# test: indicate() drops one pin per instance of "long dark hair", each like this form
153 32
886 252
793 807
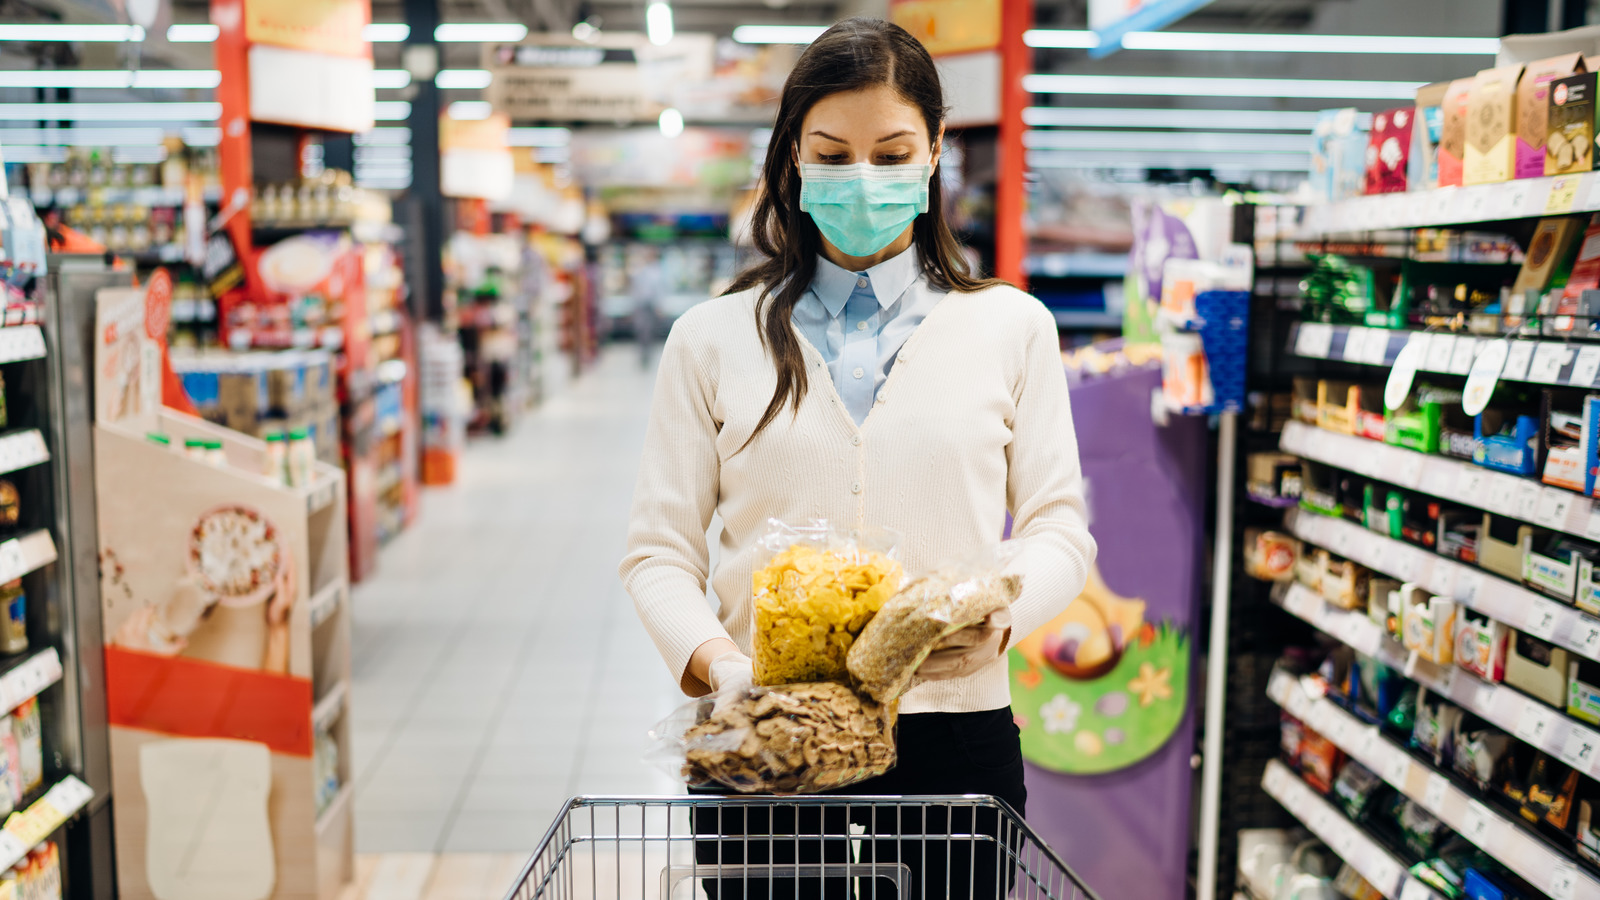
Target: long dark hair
855 54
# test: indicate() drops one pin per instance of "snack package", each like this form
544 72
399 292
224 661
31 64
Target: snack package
1355 789
796 738
1319 760
1482 755
884 659
1551 786
815 593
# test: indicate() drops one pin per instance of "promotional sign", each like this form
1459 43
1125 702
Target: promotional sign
475 157
1102 692
619 77
309 64
949 26
327 26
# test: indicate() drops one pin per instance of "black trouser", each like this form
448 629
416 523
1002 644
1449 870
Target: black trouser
940 753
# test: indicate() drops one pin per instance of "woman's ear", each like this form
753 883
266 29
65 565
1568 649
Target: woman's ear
938 145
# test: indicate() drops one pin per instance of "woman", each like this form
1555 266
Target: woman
861 375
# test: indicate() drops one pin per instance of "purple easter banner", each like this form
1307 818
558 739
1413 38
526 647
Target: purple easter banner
1104 692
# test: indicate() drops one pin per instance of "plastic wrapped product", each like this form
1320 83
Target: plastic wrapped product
798 738
1551 786
884 659
1481 644
1423 831
1320 759
1482 755
815 592
1355 789
1437 721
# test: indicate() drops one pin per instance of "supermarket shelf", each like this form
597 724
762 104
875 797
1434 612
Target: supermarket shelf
1576 744
1448 479
22 555
1552 872
1518 199
29 828
335 809
21 449
1072 318
1354 846
1077 265
322 493
327 601
1517 606
21 342
328 709
145 195
29 677
1552 362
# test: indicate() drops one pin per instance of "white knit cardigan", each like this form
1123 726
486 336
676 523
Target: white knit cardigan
972 421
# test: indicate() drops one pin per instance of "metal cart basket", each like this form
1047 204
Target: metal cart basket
776 848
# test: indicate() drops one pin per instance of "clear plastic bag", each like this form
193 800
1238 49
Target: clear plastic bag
796 738
814 590
884 659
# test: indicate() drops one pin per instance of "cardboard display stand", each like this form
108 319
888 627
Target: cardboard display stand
227 646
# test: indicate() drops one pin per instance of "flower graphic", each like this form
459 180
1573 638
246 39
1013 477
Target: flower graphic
1060 715
1151 684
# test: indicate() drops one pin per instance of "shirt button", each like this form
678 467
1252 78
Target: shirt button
859 372
881 398
856 440
855 488
861 326
862 281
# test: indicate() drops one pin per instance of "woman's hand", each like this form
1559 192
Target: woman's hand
731 675
968 650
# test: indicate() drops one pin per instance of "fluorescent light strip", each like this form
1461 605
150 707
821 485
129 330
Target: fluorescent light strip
658 22
111 78
480 32
199 33
51 31
372 152
1121 117
1176 86
201 137
1204 141
391 110
470 110
110 112
82 137
1060 38
1200 41
390 79
147 155
463 79
383 137
778 34
552 154
386 32
540 137
1271 162
23 153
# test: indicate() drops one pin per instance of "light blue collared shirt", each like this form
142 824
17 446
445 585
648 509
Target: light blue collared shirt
859 322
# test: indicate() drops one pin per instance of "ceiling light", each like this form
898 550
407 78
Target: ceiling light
1389 45
539 137
390 79
391 111
1266 162
778 34
658 22
1166 85
198 33
671 122
471 110
385 32
1203 141
379 137
1058 37
463 79
1121 117
58 32
23 153
110 112
480 32
585 31
201 137
82 137
111 78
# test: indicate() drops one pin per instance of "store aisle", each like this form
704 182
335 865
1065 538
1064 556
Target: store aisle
499 667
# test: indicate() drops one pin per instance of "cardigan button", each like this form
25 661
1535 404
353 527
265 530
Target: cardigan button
856 440
855 488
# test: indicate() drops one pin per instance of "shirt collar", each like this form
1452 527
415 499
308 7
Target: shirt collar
889 279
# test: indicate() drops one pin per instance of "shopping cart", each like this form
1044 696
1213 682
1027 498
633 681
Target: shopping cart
731 848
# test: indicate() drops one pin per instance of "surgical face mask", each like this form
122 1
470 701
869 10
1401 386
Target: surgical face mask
862 208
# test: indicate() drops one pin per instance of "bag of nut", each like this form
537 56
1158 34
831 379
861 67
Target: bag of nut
788 739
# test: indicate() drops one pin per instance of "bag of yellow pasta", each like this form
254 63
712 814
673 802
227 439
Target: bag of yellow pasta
814 590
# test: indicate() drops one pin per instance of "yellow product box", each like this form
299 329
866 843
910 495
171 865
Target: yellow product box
1491 126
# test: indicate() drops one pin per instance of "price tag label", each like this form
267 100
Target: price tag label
1541 621
1461 358
1534 725
1355 344
1416 890
1396 768
1585 368
1477 205
1433 795
1377 347
1527 501
1516 200
1563 195
1503 493
1578 751
1441 347
1586 635
1442 580
1477 824
12 563
1518 357
1548 361
1314 340
1469 585
1410 467
1554 504
1368 743
1469 484
1563 880
1437 206
1592 529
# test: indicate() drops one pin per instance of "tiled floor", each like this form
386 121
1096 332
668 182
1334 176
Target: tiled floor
499 668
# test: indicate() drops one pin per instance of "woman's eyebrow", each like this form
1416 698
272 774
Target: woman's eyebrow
824 134
890 137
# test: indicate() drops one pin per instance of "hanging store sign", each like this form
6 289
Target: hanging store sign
620 77
1111 19
475 158
949 26
324 26
309 65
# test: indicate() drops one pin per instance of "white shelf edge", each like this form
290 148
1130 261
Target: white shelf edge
21 342
1521 608
328 709
24 554
1365 855
1521 198
30 678
1485 826
326 602
335 808
66 797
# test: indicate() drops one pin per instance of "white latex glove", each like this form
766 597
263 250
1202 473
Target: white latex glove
730 676
968 650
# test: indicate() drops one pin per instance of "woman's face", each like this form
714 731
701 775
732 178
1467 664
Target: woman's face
873 125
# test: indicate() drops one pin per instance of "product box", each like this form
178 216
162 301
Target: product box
1338 154
1491 126
1569 145
1533 110
1583 690
1344 584
1537 668
1426 131
1379 590
1572 444
1549 249
1319 488
1419 520
1481 644
1453 137
1557 564
1308 568
1458 534
1338 405
1389 150
1427 623
1303 400
1508 440
1502 541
